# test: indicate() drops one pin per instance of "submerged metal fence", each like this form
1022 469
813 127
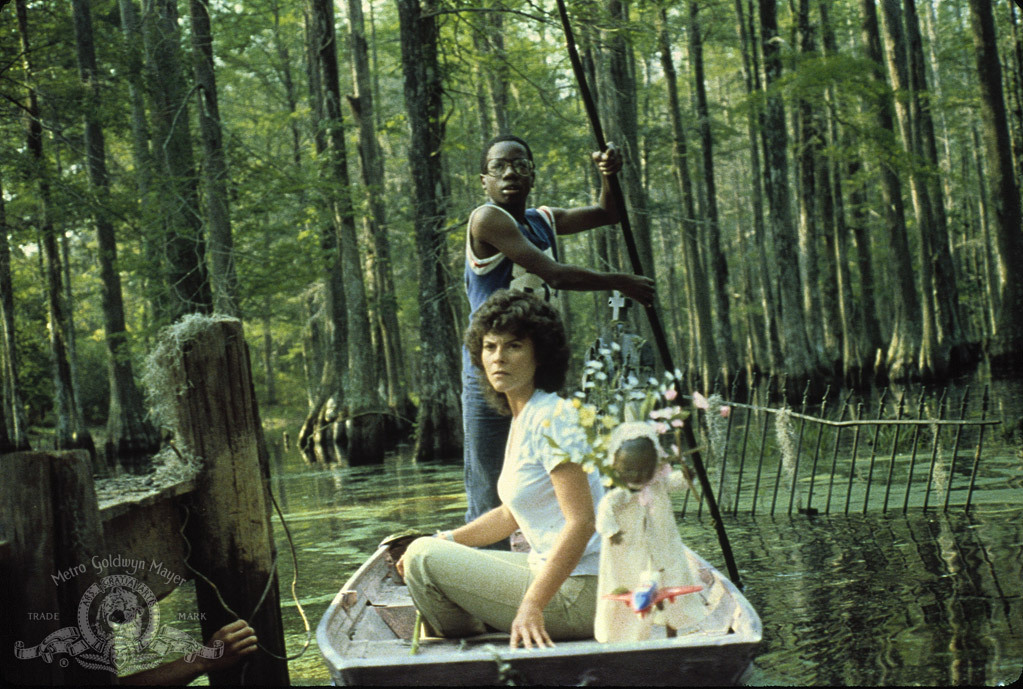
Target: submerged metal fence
770 460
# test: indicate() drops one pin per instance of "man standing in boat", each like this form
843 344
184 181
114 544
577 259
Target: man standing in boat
511 246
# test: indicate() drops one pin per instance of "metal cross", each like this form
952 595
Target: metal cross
617 303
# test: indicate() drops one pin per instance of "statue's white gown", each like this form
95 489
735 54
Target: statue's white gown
647 540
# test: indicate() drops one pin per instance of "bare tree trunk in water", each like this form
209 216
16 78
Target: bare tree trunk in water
799 358
905 338
13 427
1006 348
130 436
697 294
711 227
183 243
70 431
372 166
439 419
932 360
363 409
223 279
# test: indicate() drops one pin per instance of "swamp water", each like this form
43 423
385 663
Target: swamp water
875 598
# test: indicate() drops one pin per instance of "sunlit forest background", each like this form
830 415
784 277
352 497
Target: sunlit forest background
826 191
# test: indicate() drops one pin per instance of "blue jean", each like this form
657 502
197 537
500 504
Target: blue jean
486 433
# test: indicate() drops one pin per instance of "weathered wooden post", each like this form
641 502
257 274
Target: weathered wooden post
50 519
210 405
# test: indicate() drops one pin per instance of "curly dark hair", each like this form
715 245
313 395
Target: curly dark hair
522 315
498 139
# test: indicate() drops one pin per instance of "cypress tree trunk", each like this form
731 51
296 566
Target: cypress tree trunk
13 428
223 279
800 362
184 253
1006 346
695 276
808 145
129 434
905 338
623 125
364 416
711 226
860 334
946 293
145 165
932 360
323 429
372 166
438 421
746 27
70 432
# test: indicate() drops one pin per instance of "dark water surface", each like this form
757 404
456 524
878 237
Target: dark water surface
921 598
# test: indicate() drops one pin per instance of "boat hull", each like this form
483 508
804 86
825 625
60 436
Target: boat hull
364 640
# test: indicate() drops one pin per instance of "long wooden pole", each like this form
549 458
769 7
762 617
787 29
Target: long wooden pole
651 312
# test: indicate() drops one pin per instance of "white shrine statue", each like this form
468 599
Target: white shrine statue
639 537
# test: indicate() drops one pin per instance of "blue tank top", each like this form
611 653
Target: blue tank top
485 276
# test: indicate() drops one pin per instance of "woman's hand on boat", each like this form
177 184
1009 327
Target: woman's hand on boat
528 628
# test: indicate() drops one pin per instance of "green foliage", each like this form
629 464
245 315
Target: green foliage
276 185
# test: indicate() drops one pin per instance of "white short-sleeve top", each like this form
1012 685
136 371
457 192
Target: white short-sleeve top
525 484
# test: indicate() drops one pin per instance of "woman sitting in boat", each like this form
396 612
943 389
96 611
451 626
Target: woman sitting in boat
519 343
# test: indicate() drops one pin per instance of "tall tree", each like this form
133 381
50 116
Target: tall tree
13 429
697 295
808 145
711 226
905 341
800 360
363 412
860 332
70 431
147 203
223 279
183 250
438 421
946 293
371 161
130 436
933 354
746 27
619 101
328 340
1006 347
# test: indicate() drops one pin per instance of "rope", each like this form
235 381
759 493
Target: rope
266 589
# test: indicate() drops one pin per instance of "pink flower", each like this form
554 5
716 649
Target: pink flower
725 411
670 394
699 401
677 423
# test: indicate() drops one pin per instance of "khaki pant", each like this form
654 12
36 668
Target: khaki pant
461 591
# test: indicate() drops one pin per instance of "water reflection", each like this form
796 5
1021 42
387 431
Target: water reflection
920 598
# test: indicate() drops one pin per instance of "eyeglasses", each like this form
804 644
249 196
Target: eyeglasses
520 166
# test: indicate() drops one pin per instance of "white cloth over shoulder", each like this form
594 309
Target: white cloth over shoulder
638 533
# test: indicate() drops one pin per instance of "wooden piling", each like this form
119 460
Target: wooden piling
228 528
50 518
